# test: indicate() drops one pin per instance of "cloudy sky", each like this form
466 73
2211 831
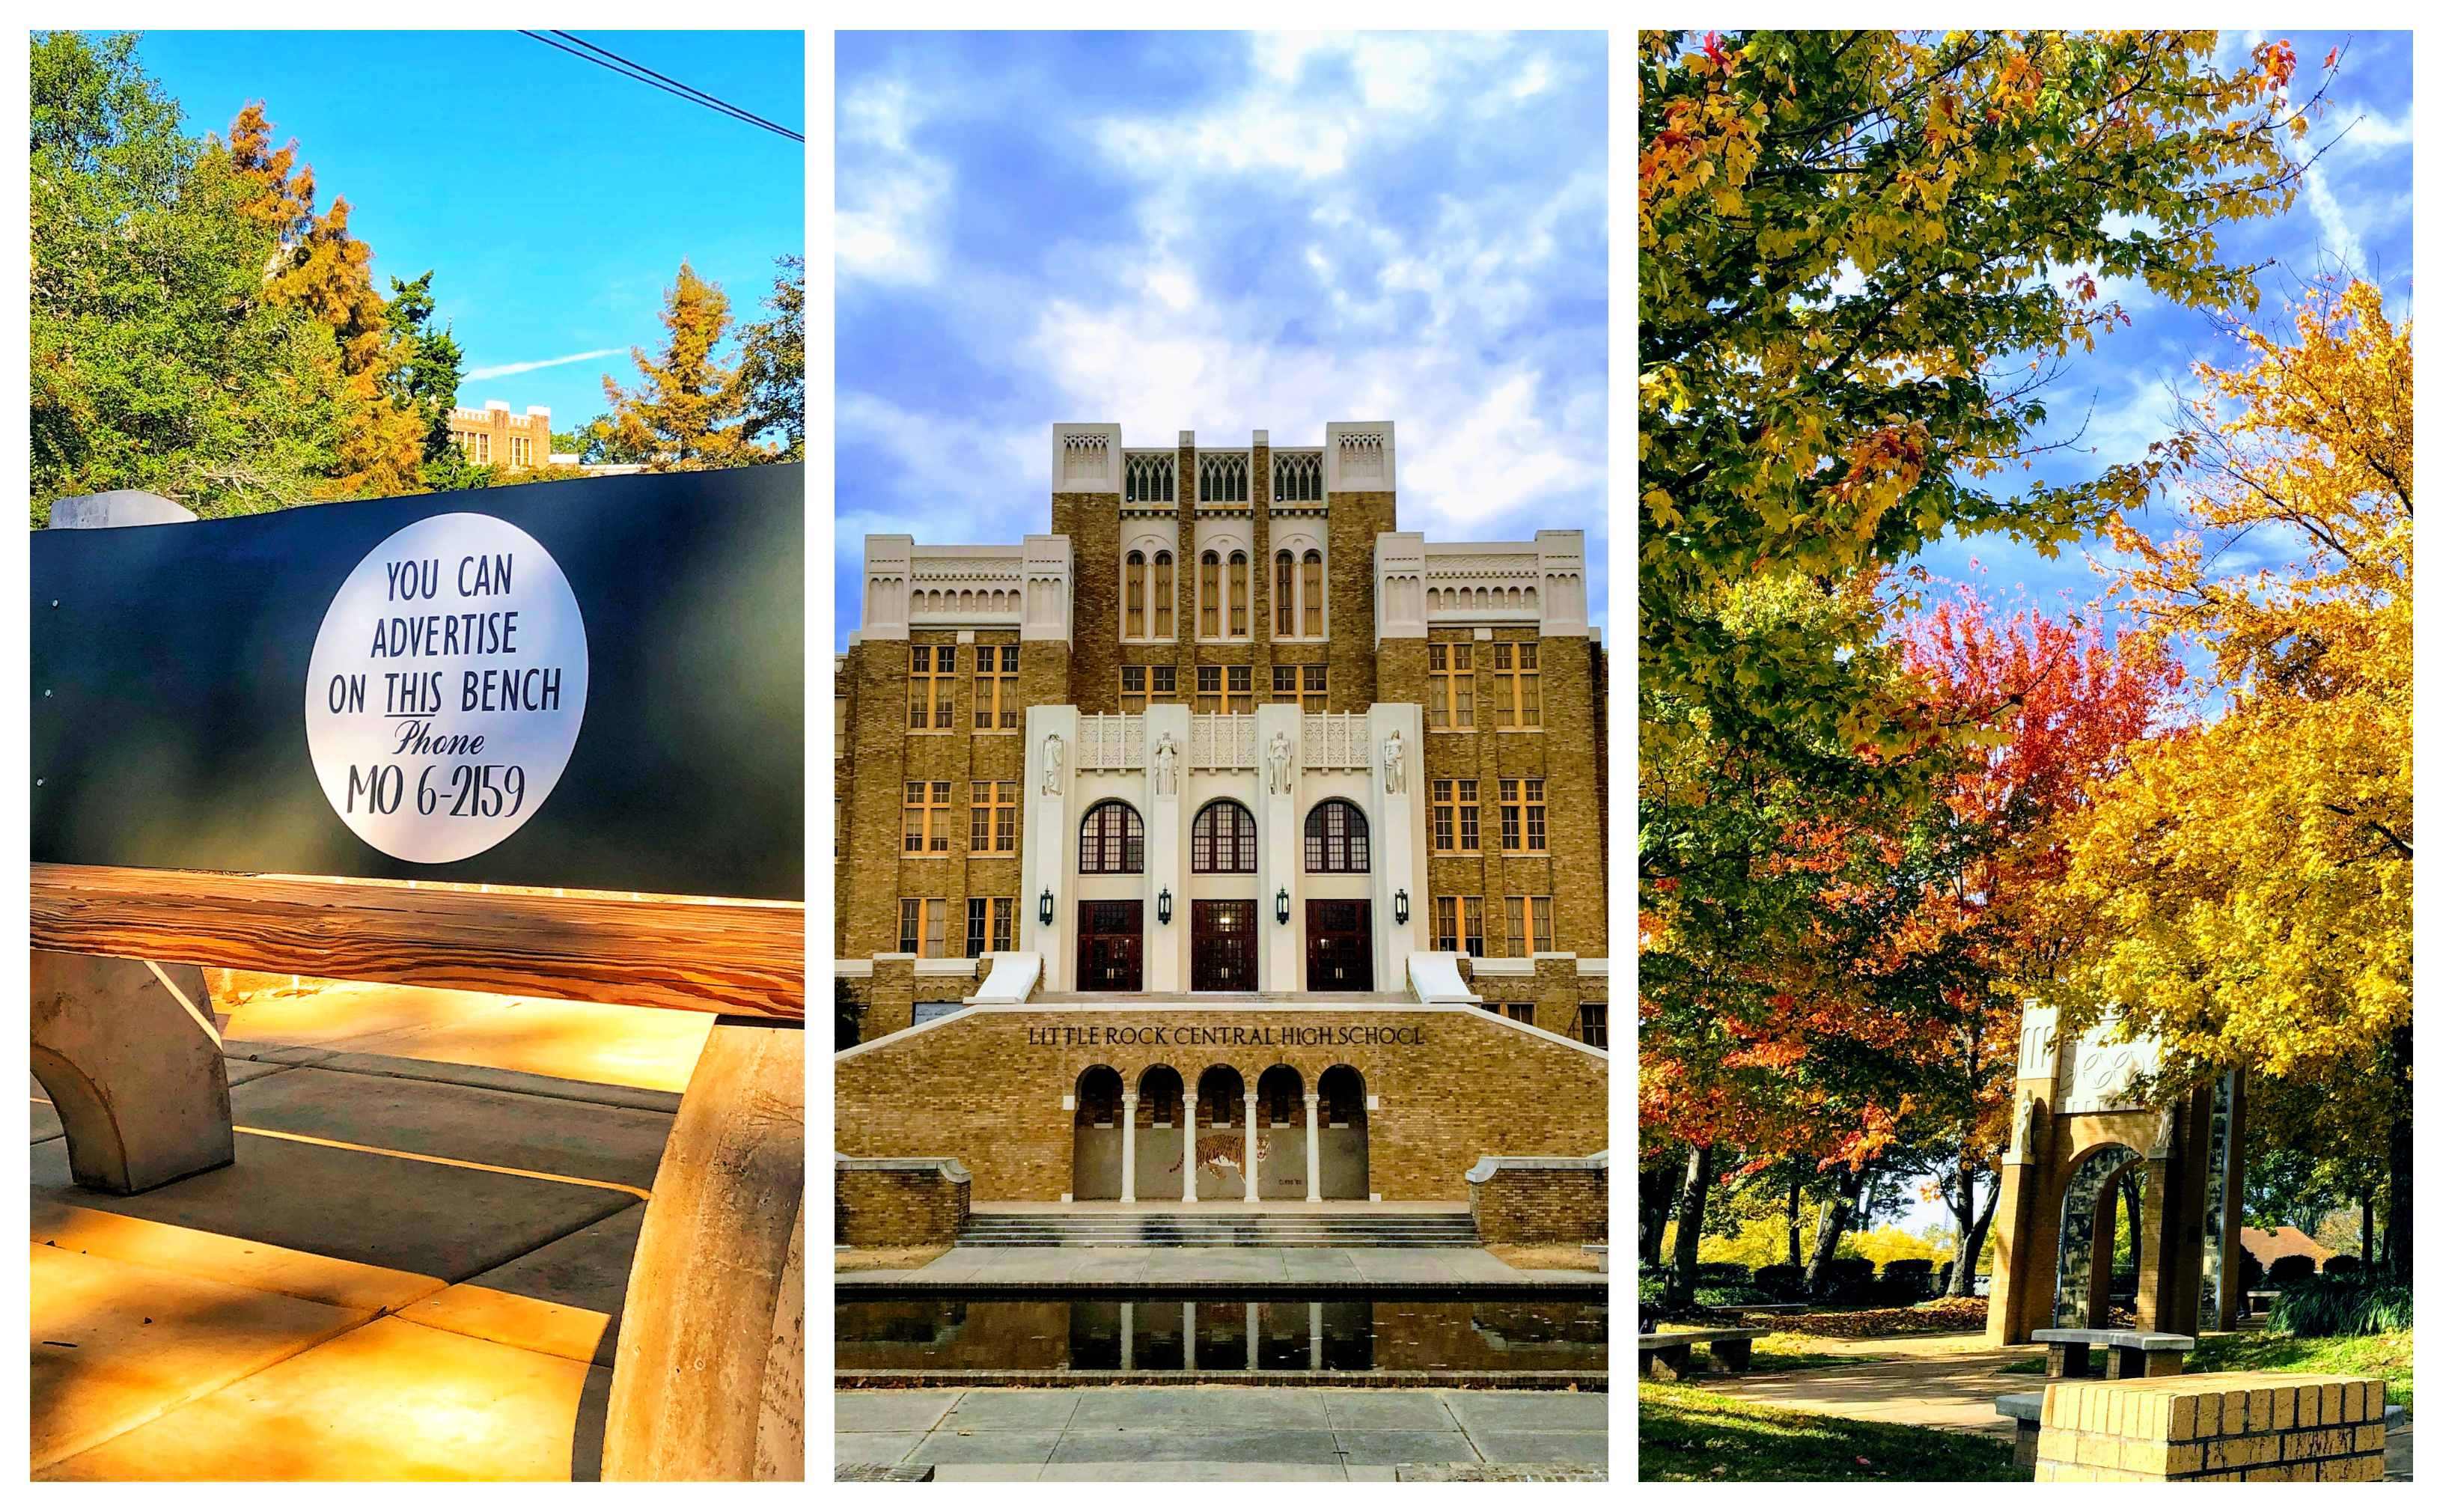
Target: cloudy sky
1220 234
2352 215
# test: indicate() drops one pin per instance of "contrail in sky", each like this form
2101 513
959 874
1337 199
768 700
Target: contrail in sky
507 368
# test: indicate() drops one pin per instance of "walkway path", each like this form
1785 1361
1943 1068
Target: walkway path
1212 1433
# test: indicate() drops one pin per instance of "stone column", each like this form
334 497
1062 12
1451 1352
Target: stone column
1127 1335
1251 1142
1251 1335
1401 833
1280 844
2027 1216
1127 1146
1167 841
1187 1148
1187 1333
1048 849
1314 1336
1313 1154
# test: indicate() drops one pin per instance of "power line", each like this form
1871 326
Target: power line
603 57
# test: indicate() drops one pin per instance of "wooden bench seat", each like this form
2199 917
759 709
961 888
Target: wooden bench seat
1666 1355
2129 1352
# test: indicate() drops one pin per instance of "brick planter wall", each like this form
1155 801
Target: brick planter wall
1541 1200
894 1201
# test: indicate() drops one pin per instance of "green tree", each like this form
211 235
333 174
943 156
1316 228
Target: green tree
425 379
774 366
689 410
157 360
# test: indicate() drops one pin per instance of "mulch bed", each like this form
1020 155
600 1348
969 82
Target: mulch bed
1948 1314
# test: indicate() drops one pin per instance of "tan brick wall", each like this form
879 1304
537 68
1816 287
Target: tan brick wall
875 1208
1092 523
1348 569
2229 1426
1542 1206
977 1088
889 1006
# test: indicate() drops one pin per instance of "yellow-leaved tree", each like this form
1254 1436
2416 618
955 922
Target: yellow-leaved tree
688 411
2243 888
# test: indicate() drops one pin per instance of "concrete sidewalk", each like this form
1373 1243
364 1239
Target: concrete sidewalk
413 1271
1204 1266
1212 1433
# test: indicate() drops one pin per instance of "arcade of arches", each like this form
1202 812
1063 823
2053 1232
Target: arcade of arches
1173 1102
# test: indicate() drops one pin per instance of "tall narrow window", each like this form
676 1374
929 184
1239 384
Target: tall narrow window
1510 814
1004 921
932 689
1133 689
1135 594
1285 681
1208 689
1112 841
996 688
1518 697
1243 690
1166 685
1284 610
1335 836
992 819
1208 596
1238 593
1468 809
1161 596
1313 598
1318 688
1224 839
1450 685
927 815
924 926
1534 813
1531 924
1594 1026
976 924
1445 817
1458 925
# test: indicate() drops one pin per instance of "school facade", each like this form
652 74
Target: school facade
1224 829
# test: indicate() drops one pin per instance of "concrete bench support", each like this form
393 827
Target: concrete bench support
135 1072
709 1383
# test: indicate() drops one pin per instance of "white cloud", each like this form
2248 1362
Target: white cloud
504 369
2339 240
882 229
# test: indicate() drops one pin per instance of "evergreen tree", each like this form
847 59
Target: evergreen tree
688 411
775 366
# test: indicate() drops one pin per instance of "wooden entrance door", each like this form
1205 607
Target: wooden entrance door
1339 945
1111 947
1222 946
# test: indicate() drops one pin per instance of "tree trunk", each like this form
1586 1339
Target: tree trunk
1831 1220
2133 1212
2366 1228
1796 1166
1657 1194
1968 1234
2396 1208
1682 1290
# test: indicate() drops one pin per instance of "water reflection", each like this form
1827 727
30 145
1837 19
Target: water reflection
1150 1332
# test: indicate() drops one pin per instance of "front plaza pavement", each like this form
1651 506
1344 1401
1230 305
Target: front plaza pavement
1216 1432
359 1298
1946 1381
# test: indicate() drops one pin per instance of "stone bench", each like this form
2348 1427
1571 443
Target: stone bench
1603 1255
2028 1409
2130 1352
1666 1355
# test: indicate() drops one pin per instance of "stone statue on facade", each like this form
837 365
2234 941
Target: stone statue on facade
1051 764
1395 764
1279 760
2023 1129
1166 766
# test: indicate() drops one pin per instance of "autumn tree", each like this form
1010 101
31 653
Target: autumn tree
1861 254
774 364
689 410
156 360
2244 887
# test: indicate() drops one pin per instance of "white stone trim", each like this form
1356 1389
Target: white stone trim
947 965
1399 586
1014 976
1487 1167
948 1165
1076 450
1154 1004
1359 456
853 968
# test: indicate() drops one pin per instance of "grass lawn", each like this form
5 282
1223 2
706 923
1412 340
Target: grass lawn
1685 1433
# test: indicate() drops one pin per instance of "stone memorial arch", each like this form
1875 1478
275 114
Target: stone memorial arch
2079 1135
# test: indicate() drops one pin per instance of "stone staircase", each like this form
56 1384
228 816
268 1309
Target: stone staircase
1108 1228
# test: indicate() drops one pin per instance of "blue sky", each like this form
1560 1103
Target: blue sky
553 198
2352 215
1220 234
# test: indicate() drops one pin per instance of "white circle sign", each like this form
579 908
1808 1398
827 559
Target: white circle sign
446 687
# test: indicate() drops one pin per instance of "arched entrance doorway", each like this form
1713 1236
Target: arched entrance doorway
1159 1138
1220 1135
1280 1109
1341 1129
1094 1160
2080 1300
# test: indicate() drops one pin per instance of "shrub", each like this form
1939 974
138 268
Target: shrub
1787 1283
2290 1268
1731 1296
2251 1272
1848 1271
1894 1269
2339 1307
1721 1273
2343 1265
